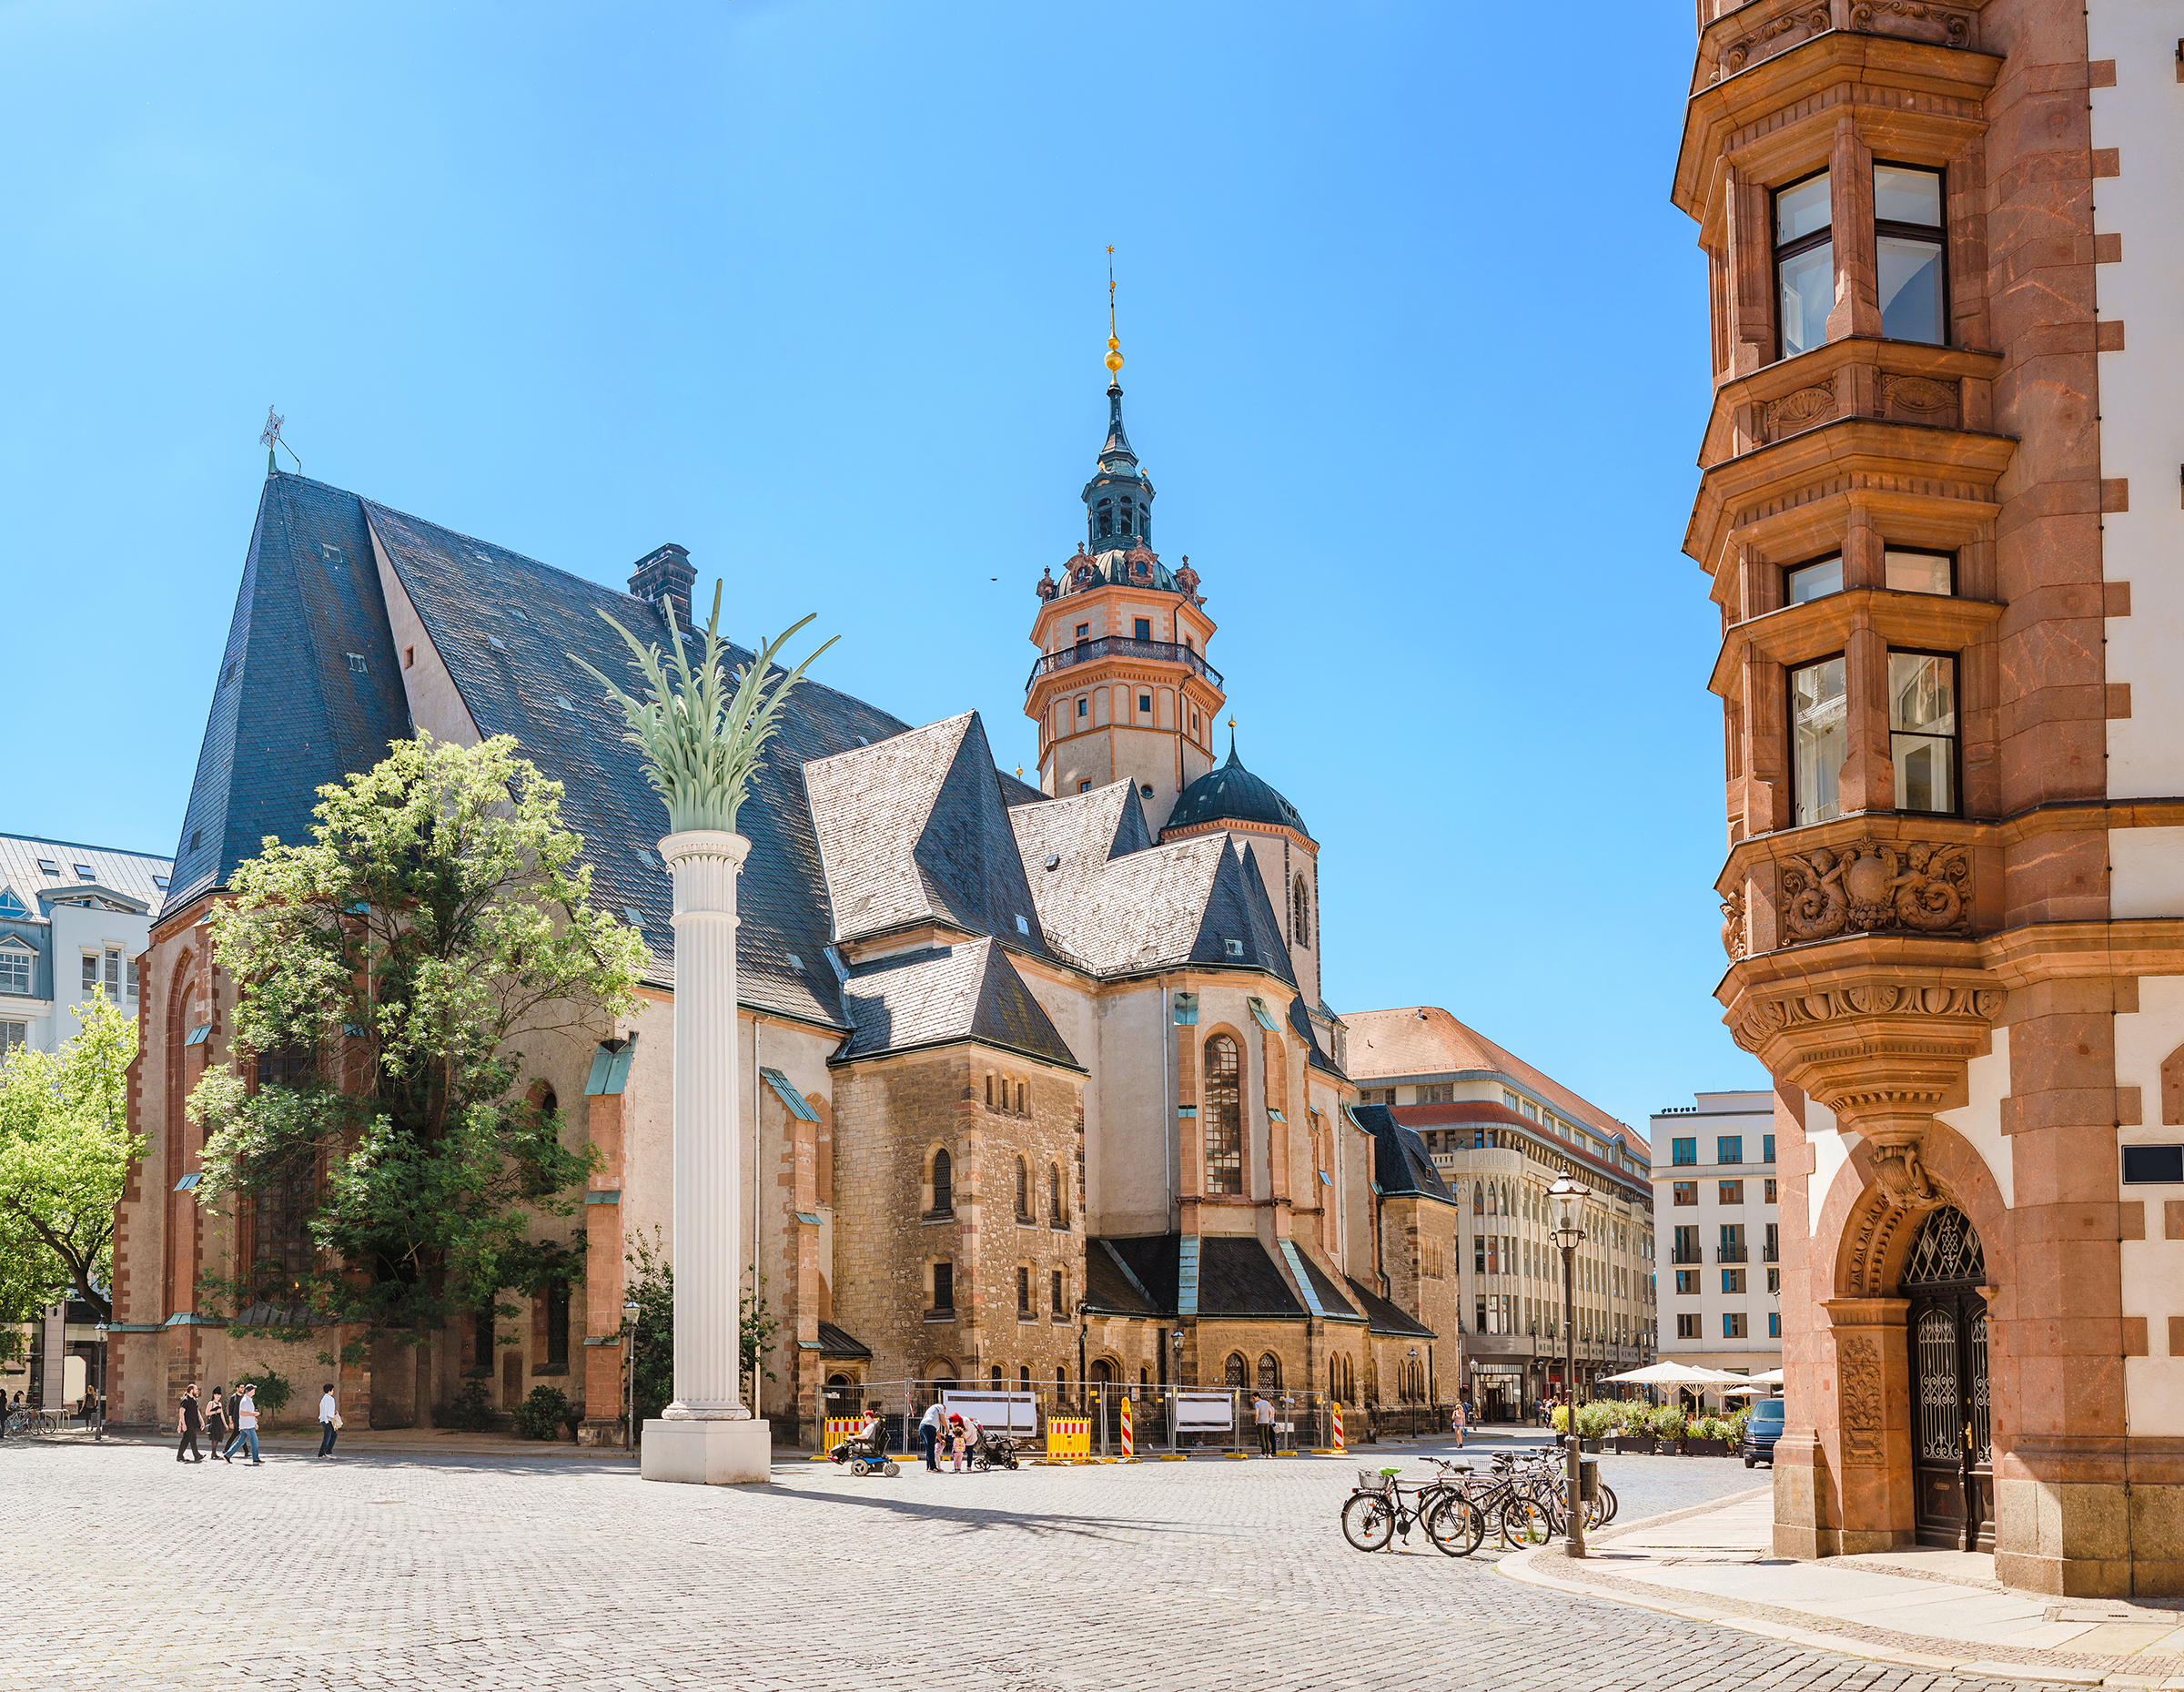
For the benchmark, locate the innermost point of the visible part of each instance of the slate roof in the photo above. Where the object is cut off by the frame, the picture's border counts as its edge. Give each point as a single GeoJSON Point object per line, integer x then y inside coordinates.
{"type": "Point", "coordinates": [940, 994]}
{"type": "Point", "coordinates": [290, 708]}
{"type": "Point", "coordinates": [471, 595]}
{"type": "Point", "coordinates": [914, 829]}
{"type": "Point", "coordinates": [1400, 1163]}
{"type": "Point", "coordinates": [1151, 1259]}
{"type": "Point", "coordinates": [1111, 1286]}
{"type": "Point", "coordinates": [1424, 1039]}
{"type": "Point", "coordinates": [837, 1343]}
{"type": "Point", "coordinates": [1231, 793]}
{"type": "Point", "coordinates": [113, 870]}
{"type": "Point", "coordinates": [1335, 1302]}
{"type": "Point", "coordinates": [1388, 1318]}
{"type": "Point", "coordinates": [1301, 1020]}
{"type": "Point", "coordinates": [1122, 905]}
{"type": "Point", "coordinates": [1237, 1278]}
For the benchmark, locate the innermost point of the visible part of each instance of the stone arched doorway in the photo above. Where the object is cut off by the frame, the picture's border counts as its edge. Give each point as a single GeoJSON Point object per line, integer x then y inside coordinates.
{"type": "Point", "coordinates": [1952, 1452]}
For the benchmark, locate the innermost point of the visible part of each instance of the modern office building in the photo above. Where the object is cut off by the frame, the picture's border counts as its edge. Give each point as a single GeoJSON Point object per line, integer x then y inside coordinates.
{"type": "Point", "coordinates": [1719, 1238]}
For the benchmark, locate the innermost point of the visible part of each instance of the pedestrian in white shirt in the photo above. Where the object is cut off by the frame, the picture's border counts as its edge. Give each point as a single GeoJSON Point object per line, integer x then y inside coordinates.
{"type": "Point", "coordinates": [245, 1423]}
{"type": "Point", "coordinates": [931, 1426]}
{"type": "Point", "coordinates": [329, 1422]}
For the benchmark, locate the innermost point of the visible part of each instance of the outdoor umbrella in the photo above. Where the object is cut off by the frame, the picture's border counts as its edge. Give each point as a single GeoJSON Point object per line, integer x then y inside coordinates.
{"type": "Point", "coordinates": [1676, 1374]}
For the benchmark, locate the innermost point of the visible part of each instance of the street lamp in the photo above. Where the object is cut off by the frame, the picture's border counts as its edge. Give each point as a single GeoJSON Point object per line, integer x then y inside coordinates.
{"type": "Point", "coordinates": [629, 1375]}
{"type": "Point", "coordinates": [98, 1407]}
{"type": "Point", "coordinates": [1567, 1197]}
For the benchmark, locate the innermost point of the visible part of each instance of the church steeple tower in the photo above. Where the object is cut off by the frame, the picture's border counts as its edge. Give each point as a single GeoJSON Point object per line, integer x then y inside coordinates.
{"type": "Point", "coordinates": [1122, 689]}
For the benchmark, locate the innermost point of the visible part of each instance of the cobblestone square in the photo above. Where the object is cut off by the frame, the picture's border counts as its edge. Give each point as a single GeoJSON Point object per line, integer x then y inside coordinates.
{"type": "Point", "coordinates": [572, 1574]}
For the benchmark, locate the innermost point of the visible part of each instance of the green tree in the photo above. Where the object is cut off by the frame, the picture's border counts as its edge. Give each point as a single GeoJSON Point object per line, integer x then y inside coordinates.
{"type": "Point", "coordinates": [439, 912]}
{"type": "Point", "coordinates": [64, 1155]}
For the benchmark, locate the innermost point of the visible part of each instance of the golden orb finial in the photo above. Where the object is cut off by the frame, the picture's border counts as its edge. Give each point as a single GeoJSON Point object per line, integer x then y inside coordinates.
{"type": "Point", "coordinates": [1114, 358]}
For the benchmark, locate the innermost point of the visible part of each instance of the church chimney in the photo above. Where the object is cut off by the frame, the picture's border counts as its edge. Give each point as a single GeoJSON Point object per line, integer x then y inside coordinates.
{"type": "Point", "coordinates": [665, 573]}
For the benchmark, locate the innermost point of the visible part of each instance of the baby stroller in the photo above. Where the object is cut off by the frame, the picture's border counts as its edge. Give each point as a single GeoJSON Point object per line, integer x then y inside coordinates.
{"type": "Point", "coordinates": [863, 1455]}
{"type": "Point", "coordinates": [993, 1451]}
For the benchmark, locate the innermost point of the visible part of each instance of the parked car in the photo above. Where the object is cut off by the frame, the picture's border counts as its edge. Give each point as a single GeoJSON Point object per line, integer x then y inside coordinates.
{"type": "Point", "coordinates": [1761, 1431]}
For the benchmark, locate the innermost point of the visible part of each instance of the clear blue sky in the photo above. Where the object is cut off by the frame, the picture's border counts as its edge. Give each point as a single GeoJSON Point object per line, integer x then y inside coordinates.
{"type": "Point", "coordinates": [1417, 361]}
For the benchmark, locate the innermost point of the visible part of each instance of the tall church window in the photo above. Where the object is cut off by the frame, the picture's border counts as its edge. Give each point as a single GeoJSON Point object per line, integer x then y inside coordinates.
{"type": "Point", "coordinates": [944, 1184]}
{"type": "Point", "coordinates": [1270, 1372]}
{"type": "Point", "coordinates": [1224, 1117]}
{"type": "Point", "coordinates": [1023, 1190]}
{"type": "Point", "coordinates": [1303, 914]}
{"type": "Point", "coordinates": [1234, 1372]}
{"type": "Point", "coordinates": [1056, 1215]}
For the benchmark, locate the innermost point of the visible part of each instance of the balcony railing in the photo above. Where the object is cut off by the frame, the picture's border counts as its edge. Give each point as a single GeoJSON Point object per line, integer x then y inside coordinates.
{"type": "Point", "coordinates": [1769, 1253]}
{"type": "Point", "coordinates": [1686, 1254]}
{"type": "Point", "coordinates": [1729, 1254]}
{"type": "Point", "coordinates": [1118, 646]}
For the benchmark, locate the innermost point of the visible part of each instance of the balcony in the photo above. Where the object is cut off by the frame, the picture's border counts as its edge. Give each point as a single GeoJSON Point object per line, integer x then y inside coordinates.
{"type": "Point", "coordinates": [1729, 1254]}
{"type": "Point", "coordinates": [1770, 1255]}
{"type": "Point", "coordinates": [1686, 1254]}
{"type": "Point", "coordinates": [1118, 646]}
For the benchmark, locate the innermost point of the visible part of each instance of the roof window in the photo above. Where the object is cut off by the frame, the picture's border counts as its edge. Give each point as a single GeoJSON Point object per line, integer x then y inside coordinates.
{"type": "Point", "coordinates": [1235, 947]}
{"type": "Point", "coordinates": [1023, 927]}
{"type": "Point", "coordinates": [84, 872]}
{"type": "Point", "coordinates": [49, 866]}
{"type": "Point", "coordinates": [1054, 860]}
{"type": "Point", "coordinates": [496, 643]}
{"type": "Point", "coordinates": [357, 665]}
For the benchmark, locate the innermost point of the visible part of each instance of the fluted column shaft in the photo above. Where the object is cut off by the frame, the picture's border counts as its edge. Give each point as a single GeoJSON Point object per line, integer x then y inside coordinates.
{"type": "Point", "coordinates": [705, 863]}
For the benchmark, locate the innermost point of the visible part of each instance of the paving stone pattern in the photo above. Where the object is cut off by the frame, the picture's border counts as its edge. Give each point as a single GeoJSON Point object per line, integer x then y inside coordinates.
{"type": "Point", "coordinates": [475, 1572]}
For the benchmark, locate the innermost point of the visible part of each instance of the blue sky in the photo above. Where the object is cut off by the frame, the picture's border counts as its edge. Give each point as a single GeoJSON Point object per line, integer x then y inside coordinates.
{"type": "Point", "coordinates": [1417, 361]}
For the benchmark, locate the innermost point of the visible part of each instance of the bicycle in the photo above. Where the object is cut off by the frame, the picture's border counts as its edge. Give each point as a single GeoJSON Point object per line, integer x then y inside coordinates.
{"type": "Point", "coordinates": [1376, 1509]}
{"type": "Point", "coordinates": [1507, 1502]}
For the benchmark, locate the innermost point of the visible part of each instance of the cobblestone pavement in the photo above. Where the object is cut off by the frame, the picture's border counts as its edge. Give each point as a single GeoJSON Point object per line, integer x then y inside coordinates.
{"type": "Point", "coordinates": [392, 1572]}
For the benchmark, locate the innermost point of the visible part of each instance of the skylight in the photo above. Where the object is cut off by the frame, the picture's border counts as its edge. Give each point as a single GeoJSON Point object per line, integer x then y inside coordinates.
{"type": "Point", "coordinates": [49, 866]}
{"type": "Point", "coordinates": [84, 872]}
{"type": "Point", "coordinates": [159, 882]}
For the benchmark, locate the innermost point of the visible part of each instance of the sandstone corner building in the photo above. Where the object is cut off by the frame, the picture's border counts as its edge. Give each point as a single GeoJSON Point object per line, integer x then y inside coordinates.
{"type": "Point", "coordinates": [1938, 512]}
{"type": "Point", "coordinates": [1037, 1074]}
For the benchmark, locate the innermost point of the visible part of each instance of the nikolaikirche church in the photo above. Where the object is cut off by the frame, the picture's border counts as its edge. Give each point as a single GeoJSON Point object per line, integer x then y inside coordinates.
{"type": "Point", "coordinates": [1018, 1058]}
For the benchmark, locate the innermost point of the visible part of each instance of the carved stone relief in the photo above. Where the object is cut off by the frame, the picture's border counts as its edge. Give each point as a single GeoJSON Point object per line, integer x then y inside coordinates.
{"type": "Point", "coordinates": [1919, 400]}
{"type": "Point", "coordinates": [1798, 410]}
{"type": "Point", "coordinates": [1767, 39]}
{"type": "Point", "coordinates": [1733, 940]}
{"type": "Point", "coordinates": [1859, 1367]}
{"type": "Point", "coordinates": [1876, 885]}
{"type": "Point", "coordinates": [1771, 1016]}
{"type": "Point", "coordinates": [1951, 27]}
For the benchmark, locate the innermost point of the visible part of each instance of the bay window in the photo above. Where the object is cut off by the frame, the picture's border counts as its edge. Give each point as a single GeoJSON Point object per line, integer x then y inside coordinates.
{"type": "Point", "coordinates": [1814, 581]}
{"type": "Point", "coordinates": [1922, 730]}
{"type": "Point", "coordinates": [1907, 253]}
{"type": "Point", "coordinates": [1819, 738]}
{"type": "Point", "coordinates": [1804, 266]}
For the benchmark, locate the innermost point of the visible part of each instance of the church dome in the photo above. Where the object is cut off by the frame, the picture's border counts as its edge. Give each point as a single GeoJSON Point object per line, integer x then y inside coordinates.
{"type": "Point", "coordinates": [1231, 793]}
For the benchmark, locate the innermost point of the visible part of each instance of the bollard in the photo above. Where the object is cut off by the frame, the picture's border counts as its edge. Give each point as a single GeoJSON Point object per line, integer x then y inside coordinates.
{"type": "Point", "coordinates": [1336, 1407]}
{"type": "Point", "coordinates": [1128, 1443]}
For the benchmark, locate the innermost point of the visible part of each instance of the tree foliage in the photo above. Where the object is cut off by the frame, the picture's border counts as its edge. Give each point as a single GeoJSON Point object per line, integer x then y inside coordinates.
{"type": "Point", "coordinates": [65, 1157]}
{"type": "Point", "coordinates": [439, 912]}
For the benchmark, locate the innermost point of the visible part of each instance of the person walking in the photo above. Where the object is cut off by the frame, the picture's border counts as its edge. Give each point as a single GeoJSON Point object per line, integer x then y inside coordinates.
{"type": "Point", "coordinates": [245, 1421]}
{"type": "Point", "coordinates": [216, 1420]}
{"type": "Point", "coordinates": [1262, 1412]}
{"type": "Point", "coordinates": [235, 1424]}
{"type": "Point", "coordinates": [330, 1421]}
{"type": "Point", "coordinates": [1456, 1423]}
{"type": "Point", "coordinates": [189, 1416]}
{"type": "Point", "coordinates": [931, 1426]}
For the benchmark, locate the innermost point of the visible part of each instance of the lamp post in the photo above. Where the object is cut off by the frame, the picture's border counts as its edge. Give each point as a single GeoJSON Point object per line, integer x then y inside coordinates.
{"type": "Point", "coordinates": [1568, 1198]}
{"type": "Point", "coordinates": [98, 1407]}
{"type": "Point", "coordinates": [628, 1375]}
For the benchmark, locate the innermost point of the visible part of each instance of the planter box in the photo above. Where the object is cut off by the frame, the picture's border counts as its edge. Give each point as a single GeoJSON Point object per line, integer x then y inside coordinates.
{"type": "Point", "coordinates": [1705, 1447]}
{"type": "Point", "coordinates": [1635, 1445]}
{"type": "Point", "coordinates": [1591, 1446]}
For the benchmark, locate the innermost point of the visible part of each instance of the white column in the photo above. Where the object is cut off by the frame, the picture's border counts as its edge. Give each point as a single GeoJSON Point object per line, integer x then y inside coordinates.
{"type": "Point", "coordinates": [707, 1434]}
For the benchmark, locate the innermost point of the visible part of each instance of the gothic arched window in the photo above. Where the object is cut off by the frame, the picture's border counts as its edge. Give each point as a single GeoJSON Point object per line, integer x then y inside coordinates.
{"type": "Point", "coordinates": [1270, 1372]}
{"type": "Point", "coordinates": [1303, 912]}
{"type": "Point", "coordinates": [1023, 1190]}
{"type": "Point", "coordinates": [1056, 1216]}
{"type": "Point", "coordinates": [1234, 1375]}
{"type": "Point", "coordinates": [1224, 1111]}
{"type": "Point", "coordinates": [943, 1183]}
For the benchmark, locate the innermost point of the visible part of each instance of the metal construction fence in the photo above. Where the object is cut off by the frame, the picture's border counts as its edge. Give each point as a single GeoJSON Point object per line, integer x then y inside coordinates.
{"type": "Point", "coordinates": [1161, 1421]}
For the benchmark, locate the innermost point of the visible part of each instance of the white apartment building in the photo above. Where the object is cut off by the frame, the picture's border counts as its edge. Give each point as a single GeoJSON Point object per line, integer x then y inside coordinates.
{"type": "Point", "coordinates": [74, 919]}
{"type": "Point", "coordinates": [1720, 1238]}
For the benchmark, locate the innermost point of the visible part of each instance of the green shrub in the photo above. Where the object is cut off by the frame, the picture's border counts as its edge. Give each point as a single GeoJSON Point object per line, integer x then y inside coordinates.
{"type": "Point", "coordinates": [1560, 1418]}
{"type": "Point", "coordinates": [273, 1391]}
{"type": "Point", "coordinates": [1669, 1423]}
{"type": "Point", "coordinates": [1736, 1425]}
{"type": "Point", "coordinates": [542, 1415]}
{"type": "Point", "coordinates": [473, 1411]}
{"type": "Point", "coordinates": [1594, 1419]}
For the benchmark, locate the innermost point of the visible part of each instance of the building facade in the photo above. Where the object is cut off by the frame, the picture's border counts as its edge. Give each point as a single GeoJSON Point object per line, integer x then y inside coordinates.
{"type": "Point", "coordinates": [1936, 513]}
{"type": "Point", "coordinates": [1042, 1092]}
{"type": "Point", "coordinates": [72, 920]}
{"type": "Point", "coordinates": [1500, 1132]}
{"type": "Point", "coordinates": [1721, 1236]}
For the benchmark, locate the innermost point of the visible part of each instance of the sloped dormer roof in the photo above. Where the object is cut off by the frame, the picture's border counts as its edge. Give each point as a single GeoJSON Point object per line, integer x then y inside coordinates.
{"type": "Point", "coordinates": [938, 995]}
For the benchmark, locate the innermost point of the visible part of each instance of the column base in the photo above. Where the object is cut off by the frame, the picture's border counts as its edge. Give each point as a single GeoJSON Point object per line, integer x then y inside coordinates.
{"type": "Point", "coordinates": [708, 1452]}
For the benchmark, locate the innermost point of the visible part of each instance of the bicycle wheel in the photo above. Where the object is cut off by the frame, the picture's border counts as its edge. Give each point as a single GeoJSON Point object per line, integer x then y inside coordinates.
{"type": "Point", "coordinates": [1368, 1521]}
{"type": "Point", "coordinates": [1608, 1504]}
{"type": "Point", "coordinates": [1524, 1524]}
{"type": "Point", "coordinates": [1454, 1527]}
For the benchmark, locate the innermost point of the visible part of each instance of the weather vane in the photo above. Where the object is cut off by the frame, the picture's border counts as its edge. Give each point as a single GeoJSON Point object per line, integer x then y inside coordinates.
{"type": "Point", "coordinates": [270, 438]}
{"type": "Point", "coordinates": [1114, 343]}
